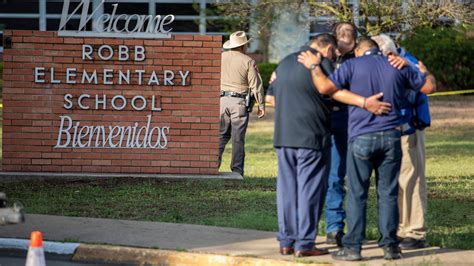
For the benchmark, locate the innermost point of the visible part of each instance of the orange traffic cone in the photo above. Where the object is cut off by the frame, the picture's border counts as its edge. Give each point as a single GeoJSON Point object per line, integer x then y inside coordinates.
{"type": "Point", "coordinates": [35, 255]}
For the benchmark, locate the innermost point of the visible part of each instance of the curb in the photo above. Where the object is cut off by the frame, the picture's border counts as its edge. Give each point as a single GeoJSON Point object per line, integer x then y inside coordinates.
{"type": "Point", "coordinates": [48, 246]}
{"type": "Point", "coordinates": [26, 176]}
{"type": "Point", "coordinates": [144, 256]}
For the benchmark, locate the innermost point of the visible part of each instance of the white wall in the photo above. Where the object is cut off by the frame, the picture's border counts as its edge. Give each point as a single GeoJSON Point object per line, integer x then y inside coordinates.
{"type": "Point", "coordinates": [289, 32]}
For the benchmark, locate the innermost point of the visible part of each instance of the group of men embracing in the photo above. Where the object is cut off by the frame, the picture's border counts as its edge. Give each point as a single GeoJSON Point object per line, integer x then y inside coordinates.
{"type": "Point", "coordinates": [345, 108]}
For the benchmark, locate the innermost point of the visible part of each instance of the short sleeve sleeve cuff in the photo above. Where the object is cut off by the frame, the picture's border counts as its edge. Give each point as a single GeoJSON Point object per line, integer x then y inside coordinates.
{"type": "Point", "coordinates": [341, 77]}
{"type": "Point", "coordinates": [336, 82]}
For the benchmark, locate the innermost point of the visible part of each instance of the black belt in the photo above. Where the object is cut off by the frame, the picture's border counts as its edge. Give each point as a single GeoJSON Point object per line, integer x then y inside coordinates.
{"type": "Point", "coordinates": [233, 94]}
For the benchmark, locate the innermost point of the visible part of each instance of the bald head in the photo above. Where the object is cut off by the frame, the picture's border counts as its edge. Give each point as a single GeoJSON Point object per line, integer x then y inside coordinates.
{"type": "Point", "coordinates": [363, 45]}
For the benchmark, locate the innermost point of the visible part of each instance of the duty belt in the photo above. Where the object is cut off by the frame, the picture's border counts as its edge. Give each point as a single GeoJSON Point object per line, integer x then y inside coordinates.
{"type": "Point", "coordinates": [232, 94]}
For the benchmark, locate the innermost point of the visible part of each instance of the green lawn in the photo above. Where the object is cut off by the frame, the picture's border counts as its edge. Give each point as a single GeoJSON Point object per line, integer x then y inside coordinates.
{"type": "Point", "coordinates": [251, 203]}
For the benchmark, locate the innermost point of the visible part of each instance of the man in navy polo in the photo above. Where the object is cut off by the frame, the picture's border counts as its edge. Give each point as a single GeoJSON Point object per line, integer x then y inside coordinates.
{"type": "Point", "coordinates": [374, 141]}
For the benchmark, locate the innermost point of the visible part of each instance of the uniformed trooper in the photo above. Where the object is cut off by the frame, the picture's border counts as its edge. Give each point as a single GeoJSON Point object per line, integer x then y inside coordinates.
{"type": "Point", "coordinates": [239, 78]}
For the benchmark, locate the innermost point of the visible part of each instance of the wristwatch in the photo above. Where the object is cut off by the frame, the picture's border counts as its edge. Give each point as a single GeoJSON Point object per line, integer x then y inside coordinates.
{"type": "Point", "coordinates": [313, 66]}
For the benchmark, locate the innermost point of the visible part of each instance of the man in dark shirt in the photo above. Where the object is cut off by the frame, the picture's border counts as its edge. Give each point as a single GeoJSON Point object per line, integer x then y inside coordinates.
{"type": "Point", "coordinates": [374, 141]}
{"type": "Point", "coordinates": [302, 142]}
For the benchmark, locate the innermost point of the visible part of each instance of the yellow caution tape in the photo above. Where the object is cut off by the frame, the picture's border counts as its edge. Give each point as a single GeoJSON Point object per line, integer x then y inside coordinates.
{"type": "Point", "coordinates": [445, 93]}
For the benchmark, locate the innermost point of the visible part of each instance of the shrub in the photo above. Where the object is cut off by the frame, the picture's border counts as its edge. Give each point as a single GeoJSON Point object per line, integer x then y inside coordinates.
{"type": "Point", "coordinates": [448, 54]}
{"type": "Point", "coordinates": [266, 70]}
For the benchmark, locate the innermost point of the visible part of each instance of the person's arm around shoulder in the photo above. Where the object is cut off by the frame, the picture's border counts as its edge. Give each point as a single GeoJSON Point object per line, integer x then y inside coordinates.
{"type": "Point", "coordinates": [326, 86]}
{"type": "Point", "coordinates": [397, 61]}
{"type": "Point", "coordinates": [256, 86]}
{"type": "Point", "coordinates": [313, 63]}
{"type": "Point", "coordinates": [430, 83]}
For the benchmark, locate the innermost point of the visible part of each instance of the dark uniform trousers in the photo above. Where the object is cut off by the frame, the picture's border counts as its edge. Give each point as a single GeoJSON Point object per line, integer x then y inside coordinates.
{"type": "Point", "coordinates": [233, 124]}
{"type": "Point", "coordinates": [301, 188]}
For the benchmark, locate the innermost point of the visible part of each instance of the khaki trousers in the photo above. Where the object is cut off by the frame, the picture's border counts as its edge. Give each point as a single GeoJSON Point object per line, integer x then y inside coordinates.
{"type": "Point", "coordinates": [412, 195]}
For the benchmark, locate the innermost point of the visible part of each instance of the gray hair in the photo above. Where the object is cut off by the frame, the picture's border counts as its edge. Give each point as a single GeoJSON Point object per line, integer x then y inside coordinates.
{"type": "Point", "coordinates": [386, 44]}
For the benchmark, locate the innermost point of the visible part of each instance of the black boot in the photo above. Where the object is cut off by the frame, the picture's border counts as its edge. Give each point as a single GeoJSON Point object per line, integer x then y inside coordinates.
{"type": "Point", "coordinates": [391, 253]}
{"type": "Point", "coordinates": [347, 254]}
{"type": "Point", "coordinates": [411, 243]}
{"type": "Point", "coordinates": [335, 238]}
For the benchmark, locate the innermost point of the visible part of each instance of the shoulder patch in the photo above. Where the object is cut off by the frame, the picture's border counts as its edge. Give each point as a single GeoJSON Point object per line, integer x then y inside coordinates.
{"type": "Point", "coordinates": [254, 64]}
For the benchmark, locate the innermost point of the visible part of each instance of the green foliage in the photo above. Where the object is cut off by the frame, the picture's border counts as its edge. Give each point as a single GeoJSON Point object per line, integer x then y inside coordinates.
{"type": "Point", "coordinates": [266, 70]}
{"type": "Point", "coordinates": [378, 16]}
{"type": "Point", "coordinates": [448, 54]}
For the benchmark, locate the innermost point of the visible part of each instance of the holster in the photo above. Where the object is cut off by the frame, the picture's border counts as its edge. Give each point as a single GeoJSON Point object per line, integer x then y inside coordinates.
{"type": "Point", "coordinates": [249, 102]}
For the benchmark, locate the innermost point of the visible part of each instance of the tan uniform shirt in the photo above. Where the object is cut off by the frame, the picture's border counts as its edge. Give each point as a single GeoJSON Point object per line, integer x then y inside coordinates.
{"type": "Point", "coordinates": [239, 73]}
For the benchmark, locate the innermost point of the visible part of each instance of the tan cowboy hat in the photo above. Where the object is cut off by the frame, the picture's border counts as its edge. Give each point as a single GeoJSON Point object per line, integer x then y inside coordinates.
{"type": "Point", "coordinates": [237, 39]}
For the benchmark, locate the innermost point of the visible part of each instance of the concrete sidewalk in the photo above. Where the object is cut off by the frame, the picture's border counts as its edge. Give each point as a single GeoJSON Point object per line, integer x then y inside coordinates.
{"type": "Point", "coordinates": [198, 241]}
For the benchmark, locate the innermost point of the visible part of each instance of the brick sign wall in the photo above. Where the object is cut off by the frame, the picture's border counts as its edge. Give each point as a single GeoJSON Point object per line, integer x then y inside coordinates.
{"type": "Point", "coordinates": [111, 105]}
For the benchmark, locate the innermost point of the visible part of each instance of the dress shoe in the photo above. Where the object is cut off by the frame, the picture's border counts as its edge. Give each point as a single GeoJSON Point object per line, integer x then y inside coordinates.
{"type": "Point", "coordinates": [411, 243]}
{"type": "Point", "coordinates": [335, 238]}
{"type": "Point", "coordinates": [287, 251]}
{"type": "Point", "coordinates": [391, 253]}
{"type": "Point", "coordinates": [311, 252]}
{"type": "Point", "coordinates": [347, 254]}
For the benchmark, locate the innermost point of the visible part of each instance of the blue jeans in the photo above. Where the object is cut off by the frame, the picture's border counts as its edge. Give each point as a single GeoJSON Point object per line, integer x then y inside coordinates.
{"type": "Point", "coordinates": [380, 151]}
{"type": "Point", "coordinates": [335, 213]}
{"type": "Point", "coordinates": [301, 189]}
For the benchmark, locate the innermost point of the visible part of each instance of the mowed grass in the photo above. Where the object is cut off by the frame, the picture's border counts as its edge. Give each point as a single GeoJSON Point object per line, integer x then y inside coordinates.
{"type": "Point", "coordinates": [251, 203]}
